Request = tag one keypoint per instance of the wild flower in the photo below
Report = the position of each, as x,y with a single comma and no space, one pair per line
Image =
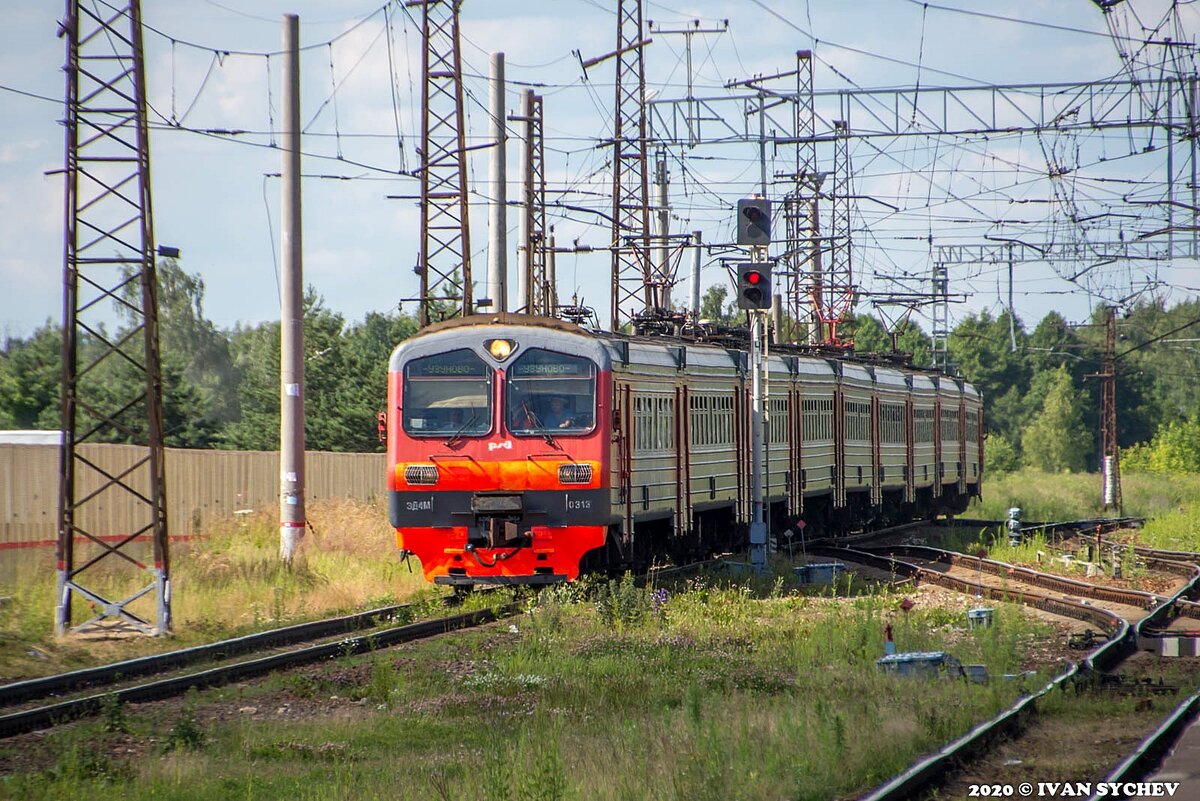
659,599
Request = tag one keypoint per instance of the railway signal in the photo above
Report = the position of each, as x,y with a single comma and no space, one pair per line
754,221
754,285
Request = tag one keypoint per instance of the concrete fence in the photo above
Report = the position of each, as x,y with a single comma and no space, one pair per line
202,485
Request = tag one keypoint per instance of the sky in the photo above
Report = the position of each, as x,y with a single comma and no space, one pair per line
214,67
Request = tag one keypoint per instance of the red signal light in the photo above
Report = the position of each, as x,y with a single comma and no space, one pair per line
753,278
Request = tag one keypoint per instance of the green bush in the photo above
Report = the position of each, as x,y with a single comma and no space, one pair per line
1000,456
1174,449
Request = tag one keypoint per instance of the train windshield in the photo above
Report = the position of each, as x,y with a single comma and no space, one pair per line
550,393
449,394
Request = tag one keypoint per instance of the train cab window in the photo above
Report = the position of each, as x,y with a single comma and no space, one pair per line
447,394
550,393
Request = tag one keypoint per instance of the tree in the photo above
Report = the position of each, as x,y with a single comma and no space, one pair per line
1157,383
713,306
1174,449
1000,456
870,336
255,352
915,341
31,380
368,347
1058,439
345,377
1054,343
980,347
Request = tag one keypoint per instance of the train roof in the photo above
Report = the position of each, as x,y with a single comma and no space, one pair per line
609,348
890,376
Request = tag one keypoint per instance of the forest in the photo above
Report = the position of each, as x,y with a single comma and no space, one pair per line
221,387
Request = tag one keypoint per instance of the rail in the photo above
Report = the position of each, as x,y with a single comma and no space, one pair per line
1122,642
1046,581
30,689
54,714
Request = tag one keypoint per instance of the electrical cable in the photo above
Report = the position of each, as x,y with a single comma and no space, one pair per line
1033,23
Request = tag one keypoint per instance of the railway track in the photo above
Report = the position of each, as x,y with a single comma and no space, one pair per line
1130,615
1180,563
1090,524
886,558
62,683
44,716
103,680
1011,578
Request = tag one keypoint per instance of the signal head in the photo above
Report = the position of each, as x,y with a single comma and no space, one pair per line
754,221
754,285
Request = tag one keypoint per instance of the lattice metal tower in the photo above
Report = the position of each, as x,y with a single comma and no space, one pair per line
802,263
112,386
632,280
839,293
537,278
444,264
940,310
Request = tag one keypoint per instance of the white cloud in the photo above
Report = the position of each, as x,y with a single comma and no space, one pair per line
13,152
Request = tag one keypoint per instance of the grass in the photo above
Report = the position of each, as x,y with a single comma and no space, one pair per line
1073,496
1170,504
706,692
227,583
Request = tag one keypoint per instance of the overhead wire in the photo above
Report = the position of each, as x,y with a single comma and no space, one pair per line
1018,21
701,196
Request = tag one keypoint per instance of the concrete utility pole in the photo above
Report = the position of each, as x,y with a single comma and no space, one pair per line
1012,313
291,314
551,276
497,286
696,256
758,525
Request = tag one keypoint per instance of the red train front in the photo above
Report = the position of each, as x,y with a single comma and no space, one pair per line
498,449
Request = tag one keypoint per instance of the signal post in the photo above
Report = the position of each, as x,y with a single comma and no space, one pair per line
755,296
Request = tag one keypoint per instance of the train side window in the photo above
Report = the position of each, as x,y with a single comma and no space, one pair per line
949,421
891,420
639,423
447,394
656,411
858,421
923,425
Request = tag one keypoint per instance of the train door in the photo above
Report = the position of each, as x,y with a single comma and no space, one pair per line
623,462
910,461
876,492
979,443
962,444
839,447
741,426
683,471
795,451
940,469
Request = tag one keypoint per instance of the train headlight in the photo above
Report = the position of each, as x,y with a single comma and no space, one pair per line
575,474
501,349
421,474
